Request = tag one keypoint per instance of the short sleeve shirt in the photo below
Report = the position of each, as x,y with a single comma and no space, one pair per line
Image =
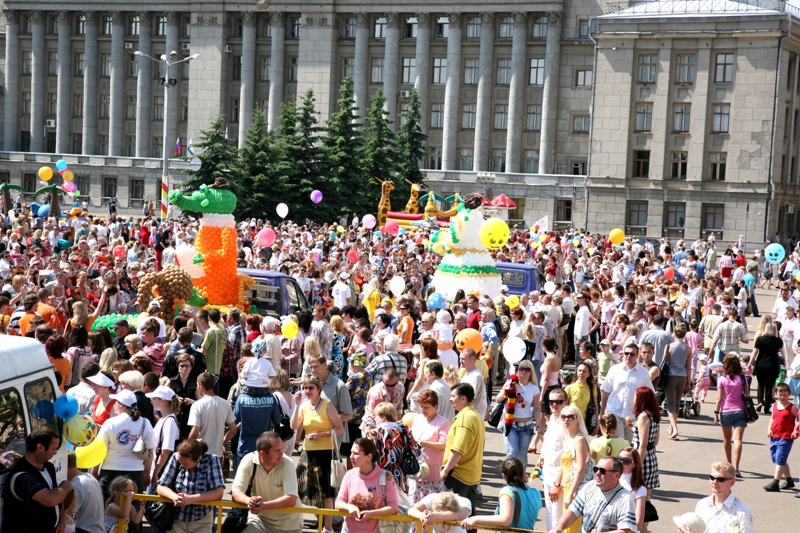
466,436
278,482
605,511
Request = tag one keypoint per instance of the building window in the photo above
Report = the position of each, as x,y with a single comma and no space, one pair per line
531,162
237,68
716,165
583,79
109,187
29,181
583,29
27,61
79,63
377,70
437,115
442,28
563,210
158,108
77,143
161,26
537,71
439,70
5,177
25,141
266,62
130,148
185,109
136,189
674,215
410,31
105,65
467,158
293,69
435,161
78,111
409,69
581,124
133,25
131,108
105,105
133,66
685,73
637,215
103,144
503,71
81,29
681,117
679,162
539,27
506,27
499,160
108,21
534,118
469,116
724,71
517,213
501,117
641,164
52,63
158,147
579,168
713,216
404,114
26,103
473,27
52,25
722,113
235,110
471,71
348,65
263,108
644,117
294,31
647,69
187,27
52,108
349,31
380,28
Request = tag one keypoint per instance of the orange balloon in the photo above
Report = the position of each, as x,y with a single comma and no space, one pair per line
469,338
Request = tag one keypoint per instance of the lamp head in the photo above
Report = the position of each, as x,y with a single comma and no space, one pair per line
194,56
163,57
173,54
138,53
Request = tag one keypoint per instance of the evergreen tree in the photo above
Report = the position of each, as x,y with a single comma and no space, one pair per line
257,161
379,156
411,142
219,157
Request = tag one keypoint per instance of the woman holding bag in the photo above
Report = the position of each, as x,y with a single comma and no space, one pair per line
393,441
319,420
679,363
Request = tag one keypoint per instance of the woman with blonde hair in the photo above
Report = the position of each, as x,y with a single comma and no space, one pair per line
372,298
574,459
440,507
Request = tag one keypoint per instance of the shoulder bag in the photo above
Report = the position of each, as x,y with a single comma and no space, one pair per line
338,468
140,449
409,464
496,415
404,504
664,376
236,520
162,514
591,412
749,408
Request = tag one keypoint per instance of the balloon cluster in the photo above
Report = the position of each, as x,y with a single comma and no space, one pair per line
80,431
108,321
223,288
171,287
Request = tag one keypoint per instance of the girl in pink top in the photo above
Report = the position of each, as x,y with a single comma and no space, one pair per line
730,409
693,340
361,494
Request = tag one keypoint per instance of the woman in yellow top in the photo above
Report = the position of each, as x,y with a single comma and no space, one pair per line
318,418
580,392
574,459
372,298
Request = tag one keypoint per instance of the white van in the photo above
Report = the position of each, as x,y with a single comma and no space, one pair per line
26,377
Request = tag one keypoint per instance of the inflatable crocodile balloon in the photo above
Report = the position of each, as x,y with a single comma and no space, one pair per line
213,266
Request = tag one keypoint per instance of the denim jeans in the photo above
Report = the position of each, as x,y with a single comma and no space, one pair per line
517,442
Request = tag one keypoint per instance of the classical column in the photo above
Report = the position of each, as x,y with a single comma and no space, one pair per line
38,87
247,89
144,87
11,116
423,64
64,90
391,67
552,62
89,130
117,83
276,69
174,72
483,118
516,96
449,156
361,64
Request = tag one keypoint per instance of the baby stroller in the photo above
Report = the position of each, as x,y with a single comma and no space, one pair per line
688,405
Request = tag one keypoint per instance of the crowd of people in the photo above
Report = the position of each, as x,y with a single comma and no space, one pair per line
617,338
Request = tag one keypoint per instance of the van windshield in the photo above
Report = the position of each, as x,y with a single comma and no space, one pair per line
36,391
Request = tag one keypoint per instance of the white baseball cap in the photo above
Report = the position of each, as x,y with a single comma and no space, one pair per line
162,392
125,397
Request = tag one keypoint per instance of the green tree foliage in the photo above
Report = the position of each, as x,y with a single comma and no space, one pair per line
378,160
219,157
410,143
257,167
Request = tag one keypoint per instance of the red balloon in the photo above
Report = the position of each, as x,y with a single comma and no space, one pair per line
392,227
669,273
383,229
353,256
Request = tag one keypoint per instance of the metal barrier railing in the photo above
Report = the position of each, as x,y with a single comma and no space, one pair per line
221,504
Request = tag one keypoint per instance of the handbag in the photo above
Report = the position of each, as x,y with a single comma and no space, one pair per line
591,413
338,468
409,464
403,505
140,448
496,416
236,520
664,376
794,386
650,512
749,407
161,514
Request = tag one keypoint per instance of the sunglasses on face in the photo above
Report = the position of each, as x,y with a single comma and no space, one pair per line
390,385
601,471
556,402
523,369
567,417
719,479
631,354
625,460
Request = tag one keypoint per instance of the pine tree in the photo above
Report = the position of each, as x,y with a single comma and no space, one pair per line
219,157
411,142
257,161
379,156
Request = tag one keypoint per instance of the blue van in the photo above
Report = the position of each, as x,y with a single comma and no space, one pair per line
520,278
274,294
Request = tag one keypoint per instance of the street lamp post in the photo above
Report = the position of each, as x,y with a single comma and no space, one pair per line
166,82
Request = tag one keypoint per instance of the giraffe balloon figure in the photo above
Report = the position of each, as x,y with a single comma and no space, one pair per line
385,204
412,207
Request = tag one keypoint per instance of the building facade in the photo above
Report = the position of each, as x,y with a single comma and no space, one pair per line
581,111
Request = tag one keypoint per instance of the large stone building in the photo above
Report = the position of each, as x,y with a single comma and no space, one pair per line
666,118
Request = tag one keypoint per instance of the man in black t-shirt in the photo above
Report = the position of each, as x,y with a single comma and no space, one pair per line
31,494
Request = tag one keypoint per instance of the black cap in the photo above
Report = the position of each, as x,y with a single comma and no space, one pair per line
121,323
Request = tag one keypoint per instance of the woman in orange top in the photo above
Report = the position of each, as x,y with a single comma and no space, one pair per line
55,348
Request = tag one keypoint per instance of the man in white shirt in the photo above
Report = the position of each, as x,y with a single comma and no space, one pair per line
583,321
619,389
341,291
209,415
782,302
722,511
89,512
473,376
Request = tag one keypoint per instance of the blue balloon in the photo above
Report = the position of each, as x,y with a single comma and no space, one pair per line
61,164
44,409
436,301
402,231
378,234
43,211
66,407
774,253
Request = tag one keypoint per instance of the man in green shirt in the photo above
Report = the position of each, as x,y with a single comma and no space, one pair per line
214,342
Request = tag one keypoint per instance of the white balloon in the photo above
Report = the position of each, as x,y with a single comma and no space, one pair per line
397,286
282,210
514,349
549,287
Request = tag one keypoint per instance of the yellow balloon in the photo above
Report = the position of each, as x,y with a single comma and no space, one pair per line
289,329
438,248
91,455
513,301
45,173
340,229
68,175
494,233
616,236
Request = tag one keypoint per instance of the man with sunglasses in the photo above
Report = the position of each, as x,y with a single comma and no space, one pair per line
605,505
618,390
722,510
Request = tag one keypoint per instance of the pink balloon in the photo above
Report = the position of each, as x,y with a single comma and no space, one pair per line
353,256
392,227
69,186
266,237
316,196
